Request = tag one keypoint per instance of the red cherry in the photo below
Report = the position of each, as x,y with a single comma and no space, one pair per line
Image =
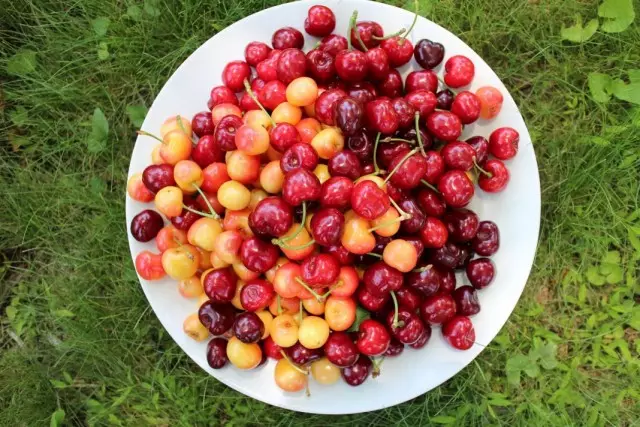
498,179
410,327
299,155
272,94
459,332
425,280
480,272
336,192
202,123
301,355
217,353
435,167
258,255
146,225
267,70
423,79
373,338
320,21
378,63
366,30
320,270
357,373
362,92
185,220
220,284
348,116
370,301
381,117
444,125
438,309
428,54
458,71
431,203
343,256
448,256
207,151
409,298
462,224
234,75
247,103
391,85
272,217
351,65
291,65
368,200
390,150
283,135
256,52
458,155
466,299
481,146
434,234
409,170
225,133
345,163
256,295
271,349
325,105
287,37
300,185
340,349
417,244
221,95
333,43
321,65
406,114
379,279
503,143
326,226
423,101
445,99
487,240
466,106
395,348
416,222
456,188
423,340
400,50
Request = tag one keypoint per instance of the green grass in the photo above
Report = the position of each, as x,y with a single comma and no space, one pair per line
77,334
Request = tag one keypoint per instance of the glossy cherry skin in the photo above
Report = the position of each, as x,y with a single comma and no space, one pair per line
217,318
431,203
458,71
417,244
381,243
438,309
422,79
426,282
435,167
395,348
267,70
480,272
258,255
459,332
388,151
156,177
146,225
320,21
225,133
458,155
487,239
256,52
272,94
300,185
202,124
333,43
466,299
348,116
424,338
272,217
444,125
466,105
291,65
336,192
320,270
368,200
343,256
409,298
220,284
248,327
186,218
498,179
434,234
217,353
391,85
326,104
221,95
207,151
271,349
362,92
234,75
366,30
341,350
345,163
299,156
448,281
416,222
399,50
406,114
409,170
381,117
369,301
428,54
326,226
287,37
379,279
378,63
351,65
411,326
373,338
283,136
462,224
445,99
503,143
481,147
423,101
302,355
256,295
357,373
447,256
321,65
456,188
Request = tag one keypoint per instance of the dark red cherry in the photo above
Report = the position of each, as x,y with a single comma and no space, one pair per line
425,280
466,105
435,167
368,168
202,124
395,192
388,151
409,298
434,234
234,75
417,244
406,114
272,94
321,65
343,256
217,353
423,101
444,125
320,21
395,348
459,332
438,309
447,281
248,327
445,99
326,226
424,338
333,43
368,200
349,116
447,256
361,145
156,177
399,50
340,349
287,37
503,143
326,104
373,338
497,179
271,217
369,301
345,163
291,65
487,240
481,272
299,155
256,52
409,327
221,95
217,318
283,136
336,192
456,188
186,218
362,92
320,270
357,373
381,243
366,30
391,85
379,279
381,117
225,133
462,224
271,349
466,253
428,54
408,170
412,135
431,203
302,355
220,284
458,71
258,255
146,225
207,151
256,295
300,185
416,222
423,79
377,63
466,299
351,65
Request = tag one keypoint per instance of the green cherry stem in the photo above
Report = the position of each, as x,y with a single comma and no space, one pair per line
280,242
300,312
212,211
145,133
430,186
296,248
377,363
404,159
375,154
296,367
206,215
402,217
399,209
390,36
252,95
389,139
417,123
373,254
413,24
317,296
422,269
484,172
278,305
396,323
352,24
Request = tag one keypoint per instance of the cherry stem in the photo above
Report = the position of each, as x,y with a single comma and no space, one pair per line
214,214
396,34
280,242
252,95
422,269
390,222
296,248
296,367
352,25
357,32
430,186
488,174
396,323
300,311
413,24
376,367
417,122
399,209
404,159
179,120
375,154
145,133
185,207
374,255
389,139
308,288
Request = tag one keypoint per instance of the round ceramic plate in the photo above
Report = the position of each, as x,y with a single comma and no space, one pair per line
516,211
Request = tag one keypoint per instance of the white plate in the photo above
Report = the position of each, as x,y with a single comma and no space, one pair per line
516,211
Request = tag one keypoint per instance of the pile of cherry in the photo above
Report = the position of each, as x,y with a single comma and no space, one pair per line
319,217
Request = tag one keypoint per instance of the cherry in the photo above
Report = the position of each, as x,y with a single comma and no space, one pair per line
425,280
333,43
351,65
466,253
258,255
156,177
459,332
379,279
343,256
291,65
503,143
225,133
396,194
345,163
271,349
267,70
466,299
395,348
481,147
234,75
357,373
445,99
406,114
408,298
341,350
481,272
373,338
428,54
300,185
321,65
417,244
325,105
217,318
272,217
320,21
320,270
424,338
434,234
302,355
221,95
423,101
444,125
202,124
186,218
438,309
466,106
487,239
220,284
447,281
146,225
381,243
462,224
399,49
362,92
381,117
217,353
248,327
256,295
349,116
299,155
416,222
370,301
336,192
256,52
368,168
456,188
283,136
368,200
435,167
497,179
326,226
377,62
447,256
287,37
207,151
423,79
408,327
272,94
458,71
389,151
391,85
407,171
431,203
366,30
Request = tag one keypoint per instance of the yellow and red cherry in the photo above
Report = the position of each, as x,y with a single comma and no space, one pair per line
179,123
400,255
284,330
149,265
137,190
181,262
221,111
169,201
194,329
243,355
340,312
288,377
328,142
188,176
490,101
170,237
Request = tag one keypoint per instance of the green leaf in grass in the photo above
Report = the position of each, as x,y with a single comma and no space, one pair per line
577,33
618,14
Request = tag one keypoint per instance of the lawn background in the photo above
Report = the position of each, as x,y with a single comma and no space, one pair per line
79,343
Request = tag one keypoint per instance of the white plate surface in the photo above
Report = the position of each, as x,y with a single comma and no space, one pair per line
516,211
